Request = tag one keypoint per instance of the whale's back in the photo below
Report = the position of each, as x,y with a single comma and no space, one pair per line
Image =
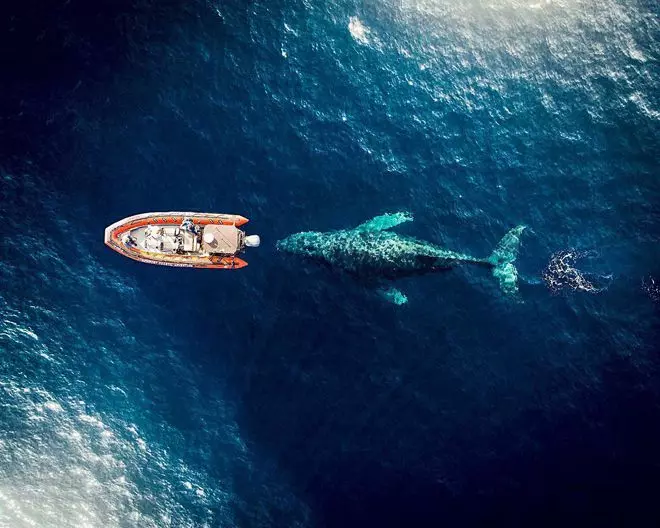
373,250
385,253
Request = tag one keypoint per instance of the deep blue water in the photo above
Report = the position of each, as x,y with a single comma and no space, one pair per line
286,394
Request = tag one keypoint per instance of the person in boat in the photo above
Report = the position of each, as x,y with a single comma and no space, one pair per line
190,226
129,240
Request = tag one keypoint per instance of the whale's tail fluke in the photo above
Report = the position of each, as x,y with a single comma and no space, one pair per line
502,259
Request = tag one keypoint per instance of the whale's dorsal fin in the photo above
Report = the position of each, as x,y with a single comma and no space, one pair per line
386,221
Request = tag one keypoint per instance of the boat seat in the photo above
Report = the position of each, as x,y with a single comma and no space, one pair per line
169,243
189,242
152,244
171,230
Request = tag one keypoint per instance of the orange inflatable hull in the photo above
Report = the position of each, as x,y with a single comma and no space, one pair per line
115,233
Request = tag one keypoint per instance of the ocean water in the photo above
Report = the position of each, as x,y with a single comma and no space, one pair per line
287,394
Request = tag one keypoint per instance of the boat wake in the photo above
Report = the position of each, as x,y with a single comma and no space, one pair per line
561,273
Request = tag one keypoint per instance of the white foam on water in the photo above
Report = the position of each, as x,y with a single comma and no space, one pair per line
644,106
358,30
53,406
289,29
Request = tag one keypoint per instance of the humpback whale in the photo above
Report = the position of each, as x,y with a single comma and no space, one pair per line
373,252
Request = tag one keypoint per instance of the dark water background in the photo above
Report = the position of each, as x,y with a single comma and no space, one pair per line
284,394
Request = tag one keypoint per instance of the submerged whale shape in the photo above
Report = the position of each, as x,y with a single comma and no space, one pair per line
371,251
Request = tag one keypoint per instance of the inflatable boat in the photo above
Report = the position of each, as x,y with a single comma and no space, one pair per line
186,240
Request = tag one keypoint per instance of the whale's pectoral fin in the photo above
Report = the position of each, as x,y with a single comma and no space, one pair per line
386,221
393,295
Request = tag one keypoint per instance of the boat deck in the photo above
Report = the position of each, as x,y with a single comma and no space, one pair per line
227,240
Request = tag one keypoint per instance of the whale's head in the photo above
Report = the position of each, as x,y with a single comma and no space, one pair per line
307,244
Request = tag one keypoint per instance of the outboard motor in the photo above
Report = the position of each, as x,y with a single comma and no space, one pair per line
252,241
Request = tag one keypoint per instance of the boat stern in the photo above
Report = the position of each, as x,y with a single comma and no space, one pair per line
239,263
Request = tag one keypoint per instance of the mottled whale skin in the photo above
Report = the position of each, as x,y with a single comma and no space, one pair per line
371,251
